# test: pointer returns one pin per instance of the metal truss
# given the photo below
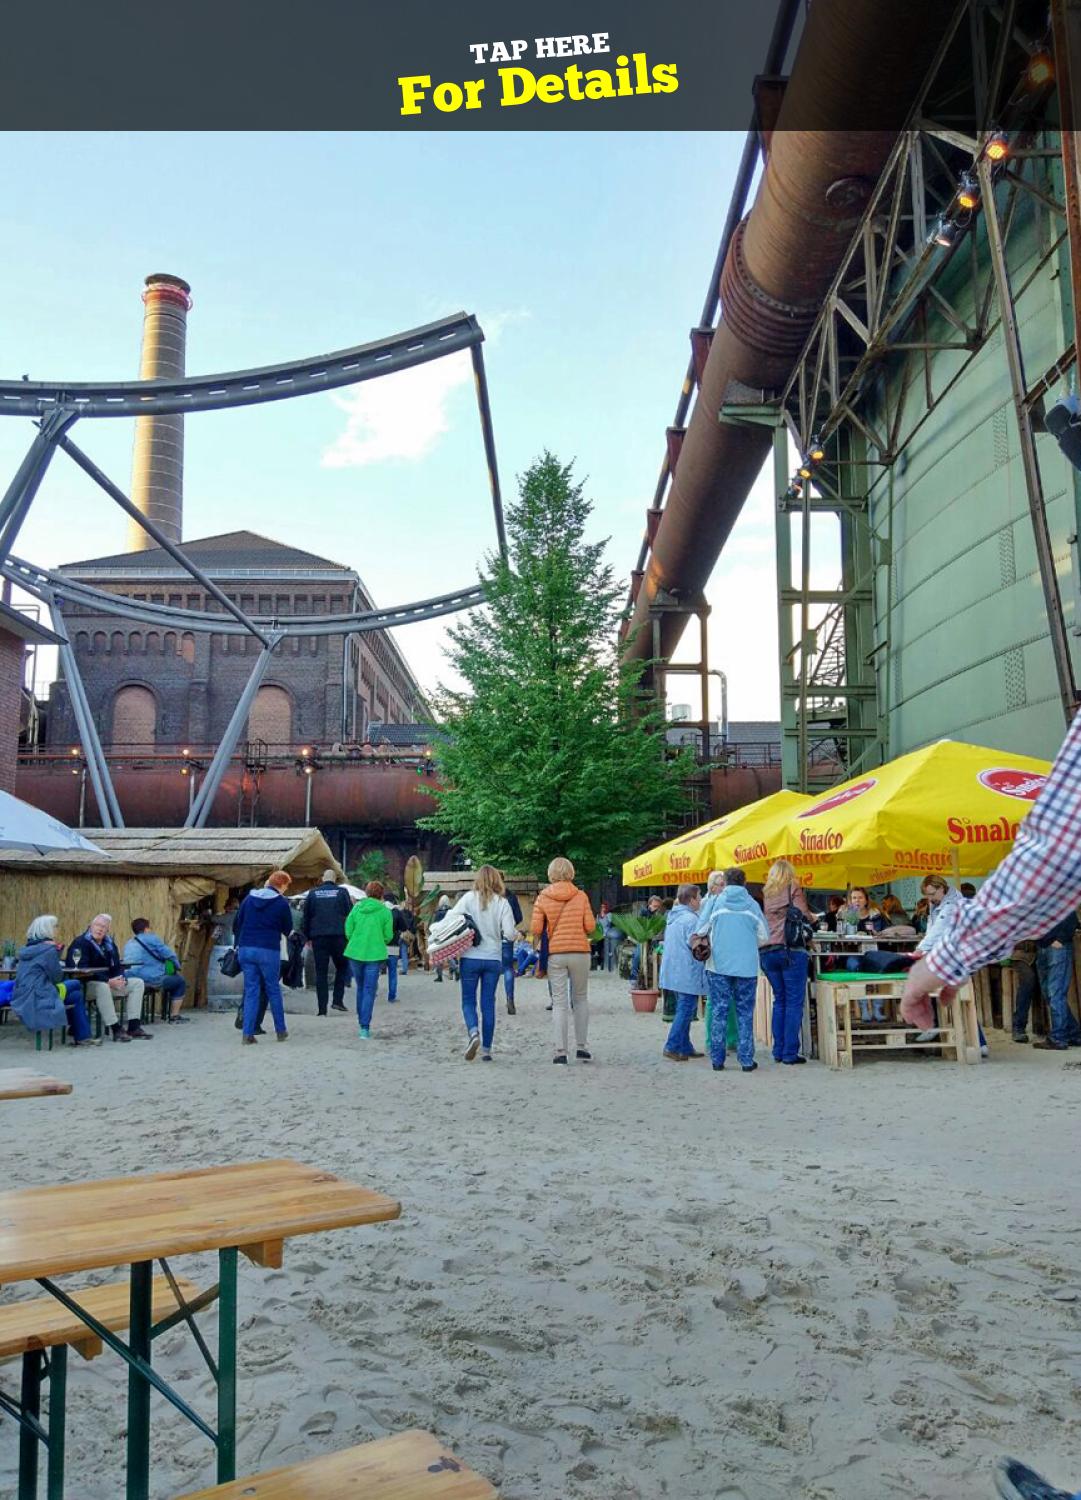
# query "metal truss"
(865, 383)
(57, 406)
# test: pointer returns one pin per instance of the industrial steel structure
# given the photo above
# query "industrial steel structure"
(57, 407)
(894, 313)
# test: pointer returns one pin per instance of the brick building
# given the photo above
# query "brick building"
(148, 687)
(19, 634)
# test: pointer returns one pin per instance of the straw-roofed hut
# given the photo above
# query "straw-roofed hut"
(177, 878)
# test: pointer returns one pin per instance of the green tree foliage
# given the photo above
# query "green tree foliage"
(549, 748)
(372, 865)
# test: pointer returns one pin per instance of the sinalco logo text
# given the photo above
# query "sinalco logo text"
(744, 854)
(965, 831)
(821, 843)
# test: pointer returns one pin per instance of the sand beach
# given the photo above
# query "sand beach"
(621, 1281)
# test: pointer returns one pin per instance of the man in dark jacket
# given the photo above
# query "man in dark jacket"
(96, 950)
(322, 921)
(1054, 964)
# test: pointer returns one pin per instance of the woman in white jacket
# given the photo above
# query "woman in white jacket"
(482, 964)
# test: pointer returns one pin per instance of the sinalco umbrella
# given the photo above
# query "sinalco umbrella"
(747, 837)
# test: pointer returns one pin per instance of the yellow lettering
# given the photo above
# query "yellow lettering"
(550, 88)
(519, 86)
(412, 89)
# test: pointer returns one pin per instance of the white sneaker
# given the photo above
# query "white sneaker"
(985, 1050)
(929, 1035)
(472, 1046)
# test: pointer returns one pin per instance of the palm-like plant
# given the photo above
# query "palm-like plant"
(644, 931)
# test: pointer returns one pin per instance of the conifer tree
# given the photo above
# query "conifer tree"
(549, 748)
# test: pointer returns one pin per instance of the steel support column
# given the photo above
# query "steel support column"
(1056, 625)
(792, 774)
(22, 489)
(94, 755)
(203, 803)
(115, 493)
(480, 380)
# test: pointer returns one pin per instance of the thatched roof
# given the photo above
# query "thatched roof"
(454, 881)
(229, 856)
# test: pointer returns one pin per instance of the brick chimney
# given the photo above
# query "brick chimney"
(157, 468)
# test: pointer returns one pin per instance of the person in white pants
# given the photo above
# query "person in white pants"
(95, 949)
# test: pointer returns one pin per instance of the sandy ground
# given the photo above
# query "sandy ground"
(619, 1281)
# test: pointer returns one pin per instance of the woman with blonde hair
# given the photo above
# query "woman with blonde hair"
(785, 967)
(487, 907)
(565, 911)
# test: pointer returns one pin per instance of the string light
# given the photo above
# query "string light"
(945, 233)
(997, 147)
(817, 452)
(968, 194)
(1040, 70)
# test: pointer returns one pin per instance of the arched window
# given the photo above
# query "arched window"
(101, 643)
(153, 642)
(187, 646)
(271, 717)
(170, 643)
(135, 717)
(119, 641)
(135, 641)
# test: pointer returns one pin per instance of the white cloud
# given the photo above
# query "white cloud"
(403, 416)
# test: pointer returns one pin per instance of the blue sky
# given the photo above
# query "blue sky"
(585, 258)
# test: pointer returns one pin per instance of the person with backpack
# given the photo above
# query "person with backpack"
(369, 931)
(736, 930)
(149, 958)
(322, 923)
(785, 957)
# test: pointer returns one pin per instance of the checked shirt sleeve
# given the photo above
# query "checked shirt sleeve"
(1036, 885)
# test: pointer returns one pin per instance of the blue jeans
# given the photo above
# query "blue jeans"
(261, 968)
(679, 1035)
(1055, 968)
(174, 986)
(508, 971)
(723, 989)
(390, 969)
(611, 947)
(485, 972)
(786, 970)
(366, 973)
(403, 956)
(526, 962)
(75, 1005)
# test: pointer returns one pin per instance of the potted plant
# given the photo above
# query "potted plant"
(644, 931)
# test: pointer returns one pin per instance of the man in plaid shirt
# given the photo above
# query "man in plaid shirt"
(1034, 887)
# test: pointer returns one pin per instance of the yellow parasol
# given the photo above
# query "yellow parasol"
(747, 837)
(948, 809)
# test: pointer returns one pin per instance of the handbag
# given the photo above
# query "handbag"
(798, 930)
(700, 946)
(229, 963)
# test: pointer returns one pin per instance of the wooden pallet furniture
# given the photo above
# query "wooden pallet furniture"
(408, 1466)
(841, 1036)
(29, 1329)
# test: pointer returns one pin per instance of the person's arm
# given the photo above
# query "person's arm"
(1036, 885)
(536, 920)
(508, 927)
(285, 918)
(388, 926)
(238, 923)
(589, 921)
(800, 900)
(306, 917)
(54, 968)
(763, 928)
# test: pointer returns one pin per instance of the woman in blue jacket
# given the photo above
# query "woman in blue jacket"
(736, 928)
(681, 972)
(263, 918)
(43, 999)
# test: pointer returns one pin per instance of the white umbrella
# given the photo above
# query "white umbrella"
(26, 827)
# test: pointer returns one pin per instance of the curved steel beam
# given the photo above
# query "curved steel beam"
(38, 581)
(141, 398)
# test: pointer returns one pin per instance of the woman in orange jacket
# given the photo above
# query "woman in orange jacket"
(565, 911)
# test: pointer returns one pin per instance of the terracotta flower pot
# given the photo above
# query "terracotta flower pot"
(645, 1000)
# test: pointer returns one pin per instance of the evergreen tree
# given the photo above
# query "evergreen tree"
(549, 748)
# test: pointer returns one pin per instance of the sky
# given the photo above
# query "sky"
(584, 257)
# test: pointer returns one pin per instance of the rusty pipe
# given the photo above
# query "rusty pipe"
(857, 59)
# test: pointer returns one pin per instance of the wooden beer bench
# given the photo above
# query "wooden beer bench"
(28, 1329)
(408, 1466)
(249, 1208)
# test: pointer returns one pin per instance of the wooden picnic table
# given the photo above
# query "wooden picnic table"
(251, 1207)
(24, 1083)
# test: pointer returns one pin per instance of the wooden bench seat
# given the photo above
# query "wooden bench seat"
(408, 1466)
(44, 1323)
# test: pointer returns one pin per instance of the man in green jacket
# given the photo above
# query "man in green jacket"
(369, 928)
